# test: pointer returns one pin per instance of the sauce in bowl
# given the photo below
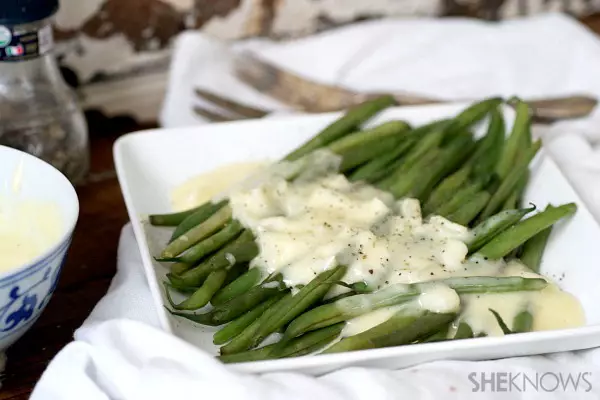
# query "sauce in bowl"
(28, 229)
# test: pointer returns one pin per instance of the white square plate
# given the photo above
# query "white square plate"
(151, 163)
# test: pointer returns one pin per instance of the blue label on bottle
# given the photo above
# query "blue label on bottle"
(19, 46)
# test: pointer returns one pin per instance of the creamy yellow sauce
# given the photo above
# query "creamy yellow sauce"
(437, 298)
(552, 308)
(27, 230)
(321, 219)
(304, 228)
(201, 189)
(369, 320)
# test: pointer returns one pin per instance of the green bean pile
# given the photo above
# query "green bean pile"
(475, 183)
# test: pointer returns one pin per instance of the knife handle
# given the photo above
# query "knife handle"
(552, 109)
(543, 110)
(311, 96)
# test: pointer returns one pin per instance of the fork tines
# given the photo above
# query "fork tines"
(232, 110)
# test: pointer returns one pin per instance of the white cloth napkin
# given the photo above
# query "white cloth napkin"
(447, 58)
(119, 353)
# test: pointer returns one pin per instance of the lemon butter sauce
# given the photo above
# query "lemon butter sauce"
(321, 219)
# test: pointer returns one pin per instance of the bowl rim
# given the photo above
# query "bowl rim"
(70, 218)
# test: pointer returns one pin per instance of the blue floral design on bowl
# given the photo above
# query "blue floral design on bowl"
(26, 290)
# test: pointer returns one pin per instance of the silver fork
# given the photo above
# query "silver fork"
(313, 97)
(233, 110)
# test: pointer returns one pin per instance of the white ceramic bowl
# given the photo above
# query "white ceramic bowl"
(26, 290)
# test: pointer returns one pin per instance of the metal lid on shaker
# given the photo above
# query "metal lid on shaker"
(15, 12)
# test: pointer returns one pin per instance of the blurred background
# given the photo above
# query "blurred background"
(117, 51)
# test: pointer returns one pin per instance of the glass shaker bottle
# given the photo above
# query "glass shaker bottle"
(39, 113)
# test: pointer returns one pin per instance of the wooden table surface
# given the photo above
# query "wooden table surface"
(90, 264)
